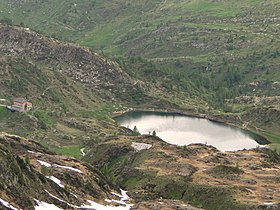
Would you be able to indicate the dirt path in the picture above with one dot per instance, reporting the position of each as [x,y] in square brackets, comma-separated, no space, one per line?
[83,151]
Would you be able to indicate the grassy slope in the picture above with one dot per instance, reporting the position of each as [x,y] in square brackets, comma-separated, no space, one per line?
[56,98]
[237,40]
[182,37]
[116,26]
[198,174]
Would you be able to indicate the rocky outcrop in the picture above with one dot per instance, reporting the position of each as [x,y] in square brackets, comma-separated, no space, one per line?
[198,174]
[28,172]
[263,117]
[79,63]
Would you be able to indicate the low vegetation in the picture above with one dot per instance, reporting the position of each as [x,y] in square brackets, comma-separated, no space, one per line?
[71,151]
[184,58]
[217,59]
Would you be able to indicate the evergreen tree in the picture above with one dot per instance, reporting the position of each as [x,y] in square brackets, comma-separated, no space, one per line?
[136,131]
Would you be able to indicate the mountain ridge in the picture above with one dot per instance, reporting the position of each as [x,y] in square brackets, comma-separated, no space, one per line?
[217,59]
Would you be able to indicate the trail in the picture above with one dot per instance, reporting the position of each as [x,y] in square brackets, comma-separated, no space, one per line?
[83,151]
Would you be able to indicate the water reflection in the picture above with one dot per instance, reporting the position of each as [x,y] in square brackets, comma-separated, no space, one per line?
[182,130]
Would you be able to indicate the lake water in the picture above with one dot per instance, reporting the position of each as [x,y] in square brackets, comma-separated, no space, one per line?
[182,130]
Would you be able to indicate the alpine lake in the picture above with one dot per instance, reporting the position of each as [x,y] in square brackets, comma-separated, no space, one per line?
[182,130]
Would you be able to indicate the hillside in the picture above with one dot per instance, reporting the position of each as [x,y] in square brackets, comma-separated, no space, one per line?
[238,40]
[198,173]
[72,90]
[77,63]
[203,56]
[32,177]
[213,59]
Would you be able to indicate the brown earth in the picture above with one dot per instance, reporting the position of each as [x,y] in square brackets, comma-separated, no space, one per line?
[248,179]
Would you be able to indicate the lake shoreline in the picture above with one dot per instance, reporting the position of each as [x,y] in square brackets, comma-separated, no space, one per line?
[261,139]
[182,129]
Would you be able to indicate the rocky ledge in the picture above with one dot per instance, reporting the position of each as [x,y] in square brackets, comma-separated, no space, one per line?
[32,177]
[197,174]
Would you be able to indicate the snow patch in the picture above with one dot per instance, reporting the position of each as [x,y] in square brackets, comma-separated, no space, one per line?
[43,163]
[74,195]
[108,200]
[140,146]
[268,204]
[56,180]
[125,197]
[69,168]
[57,198]
[94,205]
[32,152]
[45,206]
[6,204]
[59,166]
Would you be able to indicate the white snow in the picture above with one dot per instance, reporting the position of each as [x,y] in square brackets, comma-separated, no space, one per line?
[59,166]
[124,195]
[116,194]
[6,204]
[55,197]
[115,201]
[56,180]
[44,163]
[45,206]
[69,168]
[61,200]
[268,204]
[94,205]
[32,152]
[140,146]
[108,200]
[74,195]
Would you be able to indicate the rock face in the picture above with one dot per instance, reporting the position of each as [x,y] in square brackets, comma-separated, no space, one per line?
[29,172]
[78,63]
[264,117]
[199,174]
[31,176]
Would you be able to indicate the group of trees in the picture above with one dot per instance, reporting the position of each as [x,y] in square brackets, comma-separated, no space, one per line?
[213,82]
